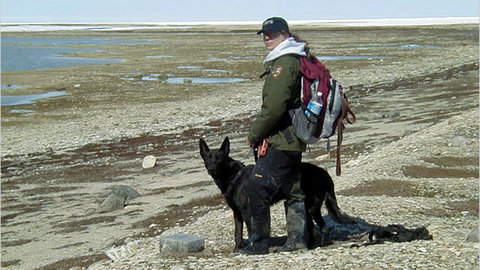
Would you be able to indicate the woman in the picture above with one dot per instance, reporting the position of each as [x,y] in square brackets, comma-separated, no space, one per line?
[278,169]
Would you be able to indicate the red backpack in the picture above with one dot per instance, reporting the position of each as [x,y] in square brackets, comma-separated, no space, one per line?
[310,129]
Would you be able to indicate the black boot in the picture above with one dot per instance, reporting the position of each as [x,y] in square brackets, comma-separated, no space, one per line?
[296,227]
[260,234]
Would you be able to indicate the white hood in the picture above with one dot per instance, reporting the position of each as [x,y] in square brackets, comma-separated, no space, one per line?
[288,46]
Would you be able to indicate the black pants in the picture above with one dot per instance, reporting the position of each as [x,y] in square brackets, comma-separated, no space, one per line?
[277,171]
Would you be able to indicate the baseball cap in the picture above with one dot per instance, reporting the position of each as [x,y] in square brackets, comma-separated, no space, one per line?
[274,24]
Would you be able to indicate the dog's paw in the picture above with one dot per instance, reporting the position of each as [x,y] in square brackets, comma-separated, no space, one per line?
[320,237]
[243,244]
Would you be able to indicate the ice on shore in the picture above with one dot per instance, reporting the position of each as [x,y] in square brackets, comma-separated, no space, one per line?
[36,27]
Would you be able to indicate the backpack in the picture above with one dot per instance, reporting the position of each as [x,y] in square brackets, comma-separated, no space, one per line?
[310,129]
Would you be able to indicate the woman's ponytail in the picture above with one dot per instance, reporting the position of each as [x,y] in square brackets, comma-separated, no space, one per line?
[298,39]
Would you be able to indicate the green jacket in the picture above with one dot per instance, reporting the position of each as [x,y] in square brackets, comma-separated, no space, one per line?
[281,93]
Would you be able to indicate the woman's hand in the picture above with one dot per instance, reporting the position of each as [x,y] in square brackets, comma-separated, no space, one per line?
[250,144]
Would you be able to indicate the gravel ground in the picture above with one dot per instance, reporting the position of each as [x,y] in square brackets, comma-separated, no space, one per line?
[411,158]
[437,211]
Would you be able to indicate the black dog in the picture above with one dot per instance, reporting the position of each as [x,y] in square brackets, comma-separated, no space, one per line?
[231,177]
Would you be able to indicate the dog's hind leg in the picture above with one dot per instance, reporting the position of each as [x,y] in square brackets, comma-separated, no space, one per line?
[310,228]
[321,237]
[335,212]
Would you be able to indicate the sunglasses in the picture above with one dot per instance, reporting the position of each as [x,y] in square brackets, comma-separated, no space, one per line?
[271,35]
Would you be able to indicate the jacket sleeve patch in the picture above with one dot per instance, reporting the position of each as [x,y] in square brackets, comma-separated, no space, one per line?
[276,71]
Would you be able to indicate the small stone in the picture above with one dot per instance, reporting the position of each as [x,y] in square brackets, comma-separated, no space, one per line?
[117,198]
[126,191]
[181,243]
[149,162]
[457,141]
[112,202]
[177,267]
[394,114]
[473,236]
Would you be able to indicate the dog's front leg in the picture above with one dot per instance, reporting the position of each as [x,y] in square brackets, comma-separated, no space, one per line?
[239,243]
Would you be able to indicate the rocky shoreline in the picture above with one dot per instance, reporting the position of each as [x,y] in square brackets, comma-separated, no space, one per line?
[411,159]
[433,202]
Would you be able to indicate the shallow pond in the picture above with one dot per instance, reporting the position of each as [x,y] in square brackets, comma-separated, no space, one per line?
[30,99]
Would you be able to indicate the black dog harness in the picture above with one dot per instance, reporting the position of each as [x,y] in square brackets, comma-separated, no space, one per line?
[232,182]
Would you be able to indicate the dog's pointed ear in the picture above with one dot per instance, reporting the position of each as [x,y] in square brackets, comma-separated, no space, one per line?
[203,147]
[225,146]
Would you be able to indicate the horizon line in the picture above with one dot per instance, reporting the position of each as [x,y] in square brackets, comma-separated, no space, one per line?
[466,19]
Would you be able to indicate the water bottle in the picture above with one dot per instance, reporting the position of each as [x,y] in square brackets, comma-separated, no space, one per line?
[315,105]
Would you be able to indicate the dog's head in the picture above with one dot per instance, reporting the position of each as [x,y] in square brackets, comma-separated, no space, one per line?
[216,161]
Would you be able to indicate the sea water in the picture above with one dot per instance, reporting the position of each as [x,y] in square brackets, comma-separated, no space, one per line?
[30,99]
[29,53]
[39,40]
[18,57]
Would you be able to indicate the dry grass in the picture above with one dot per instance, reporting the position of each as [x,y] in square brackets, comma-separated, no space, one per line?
[80,225]
[45,189]
[453,208]
[82,261]
[435,172]
[453,161]
[470,206]
[162,190]
[10,263]
[179,215]
[23,209]
[386,187]
[18,242]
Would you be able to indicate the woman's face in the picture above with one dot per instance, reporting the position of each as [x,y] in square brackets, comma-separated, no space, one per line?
[272,39]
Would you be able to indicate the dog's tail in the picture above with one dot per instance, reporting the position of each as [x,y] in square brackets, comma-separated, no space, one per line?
[335,212]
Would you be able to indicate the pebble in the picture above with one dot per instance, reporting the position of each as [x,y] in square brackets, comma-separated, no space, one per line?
[117,198]
[457,141]
[149,162]
[473,236]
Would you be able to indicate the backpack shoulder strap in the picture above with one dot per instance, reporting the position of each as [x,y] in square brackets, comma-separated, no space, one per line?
[344,114]
[339,144]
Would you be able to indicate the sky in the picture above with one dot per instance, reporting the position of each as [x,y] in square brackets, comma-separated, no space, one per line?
[90,11]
